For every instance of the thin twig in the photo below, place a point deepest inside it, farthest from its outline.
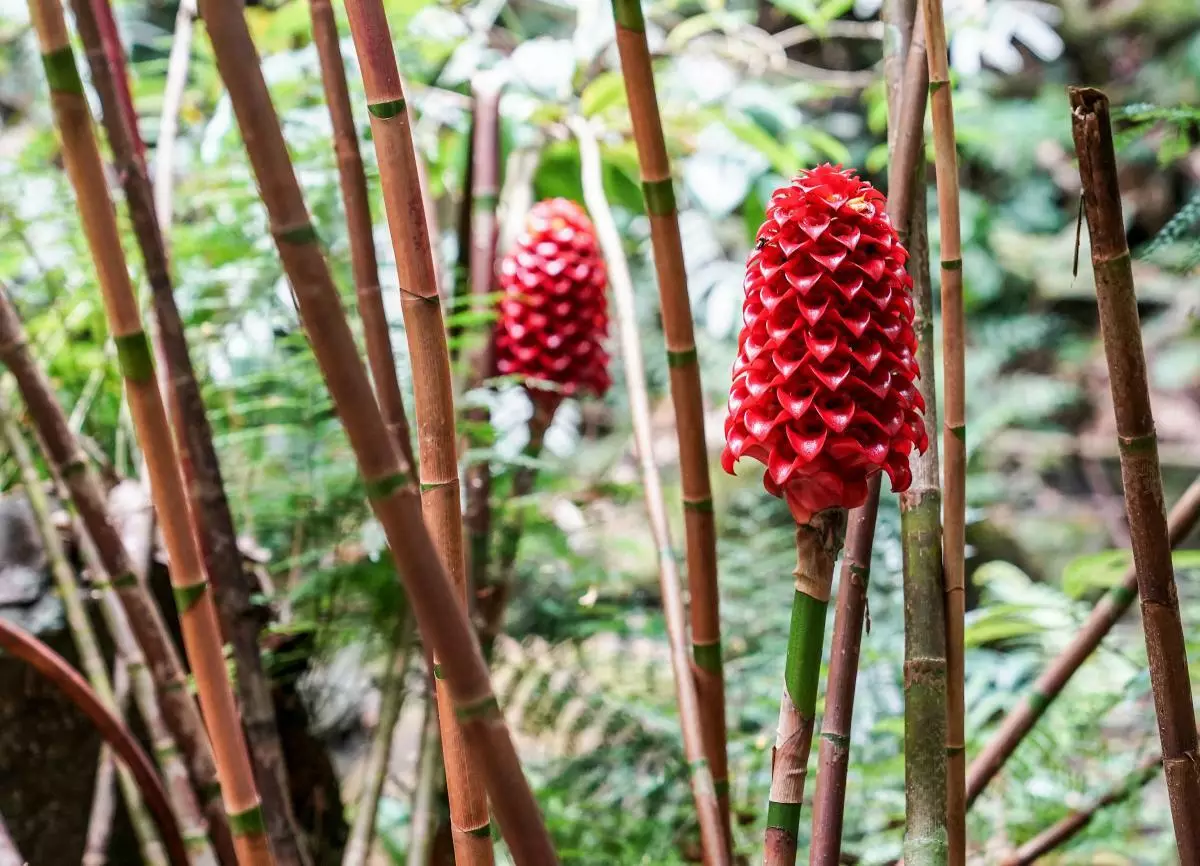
(104, 803)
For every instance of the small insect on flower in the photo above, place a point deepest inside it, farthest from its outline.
(824, 386)
(553, 316)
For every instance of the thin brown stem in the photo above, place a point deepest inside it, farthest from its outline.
(438, 599)
(86, 493)
(954, 431)
(1120, 328)
(708, 805)
(686, 393)
(1021, 719)
(208, 517)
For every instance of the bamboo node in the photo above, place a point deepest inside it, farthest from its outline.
(783, 816)
(628, 15)
(475, 710)
(62, 74)
(958, 431)
(437, 672)
(1147, 444)
(707, 656)
(935, 86)
(951, 264)
(248, 822)
(381, 488)
(134, 357)
(659, 196)
(485, 202)
(73, 466)
(305, 233)
(839, 741)
(480, 832)
(704, 506)
(187, 596)
(125, 581)
(388, 109)
(427, 486)
(681, 358)
(953, 751)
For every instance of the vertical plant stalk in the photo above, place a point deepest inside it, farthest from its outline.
(432, 385)
(28, 649)
(9, 855)
(104, 802)
(362, 834)
(197, 613)
(356, 201)
(686, 392)
(1061, 832)
(483, 233)
(70, 466)
(421, 824)
(954, 430)
(208, 515)
(168, 125)
(1120, 328)
(833, 757)
(817, 546)
(84, 637)
(708, 806)
(1021, 719)
(437, 601)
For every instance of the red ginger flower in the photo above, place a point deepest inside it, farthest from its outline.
(553, 313)
(824, 389)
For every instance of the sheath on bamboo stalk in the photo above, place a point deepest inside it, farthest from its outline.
(209, 515)
(71, 467)
(1021, 719)
(708, 806)
(824, 394)
(28, 649)
(84, 637)
(1141, 477)
(686, 393)
(393, 495)
(1061, 832)
(954, 431)
(197, 613)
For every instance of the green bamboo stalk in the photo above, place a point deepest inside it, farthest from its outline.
(1141, 476)
(90, 657)
(686, 392)
(818, 544)
(954, 433)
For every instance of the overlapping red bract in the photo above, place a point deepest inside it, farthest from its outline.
(824, 389)
(553, 314)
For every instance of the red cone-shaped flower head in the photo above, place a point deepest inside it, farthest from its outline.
(824, 390)
(553, 312)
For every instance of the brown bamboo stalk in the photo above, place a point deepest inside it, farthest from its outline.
(197, 613)
(686, 392)
(393, 495)
(91, 660)
(9, 855)
(357, 203)
(1062, 831)
(210, 520)
(104, 801)
(954, 431)
(484, 231)
(1021, 719)
(432, 383)
(86, 493)
(28, 649)
(708, 806)
(1120, 328)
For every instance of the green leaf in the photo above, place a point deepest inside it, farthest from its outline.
(1105, 569)
(605, 91)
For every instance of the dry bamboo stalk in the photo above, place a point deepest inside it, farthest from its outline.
(91, 659)
(1061, 832)
(168, 125)
(210, 521)
(1049, 685)
(104, 801)
(686, 392)
(1120, 328)
(197, 613)
(71, 467)
(28, 649)
(432, 383)
(708, 804)
(954, 430)
(357, 203)
(390, 488)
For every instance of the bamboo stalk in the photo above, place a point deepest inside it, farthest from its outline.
(1062, 831)
(954, 431)
(686, 392)
(484, 230)
(436, 599)
(70, 466)
(421, 824)
(104, 801)
(197, 612)
(708, 805)
(28, 649)
(833, 757)
(357, 203)
(1021, 719)
(168, 125)
(210, 520)
(432, 384)
(91, 659)
(9, 855)
(1120, 328)
(362, 834)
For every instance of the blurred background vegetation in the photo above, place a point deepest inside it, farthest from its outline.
(750, 92)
